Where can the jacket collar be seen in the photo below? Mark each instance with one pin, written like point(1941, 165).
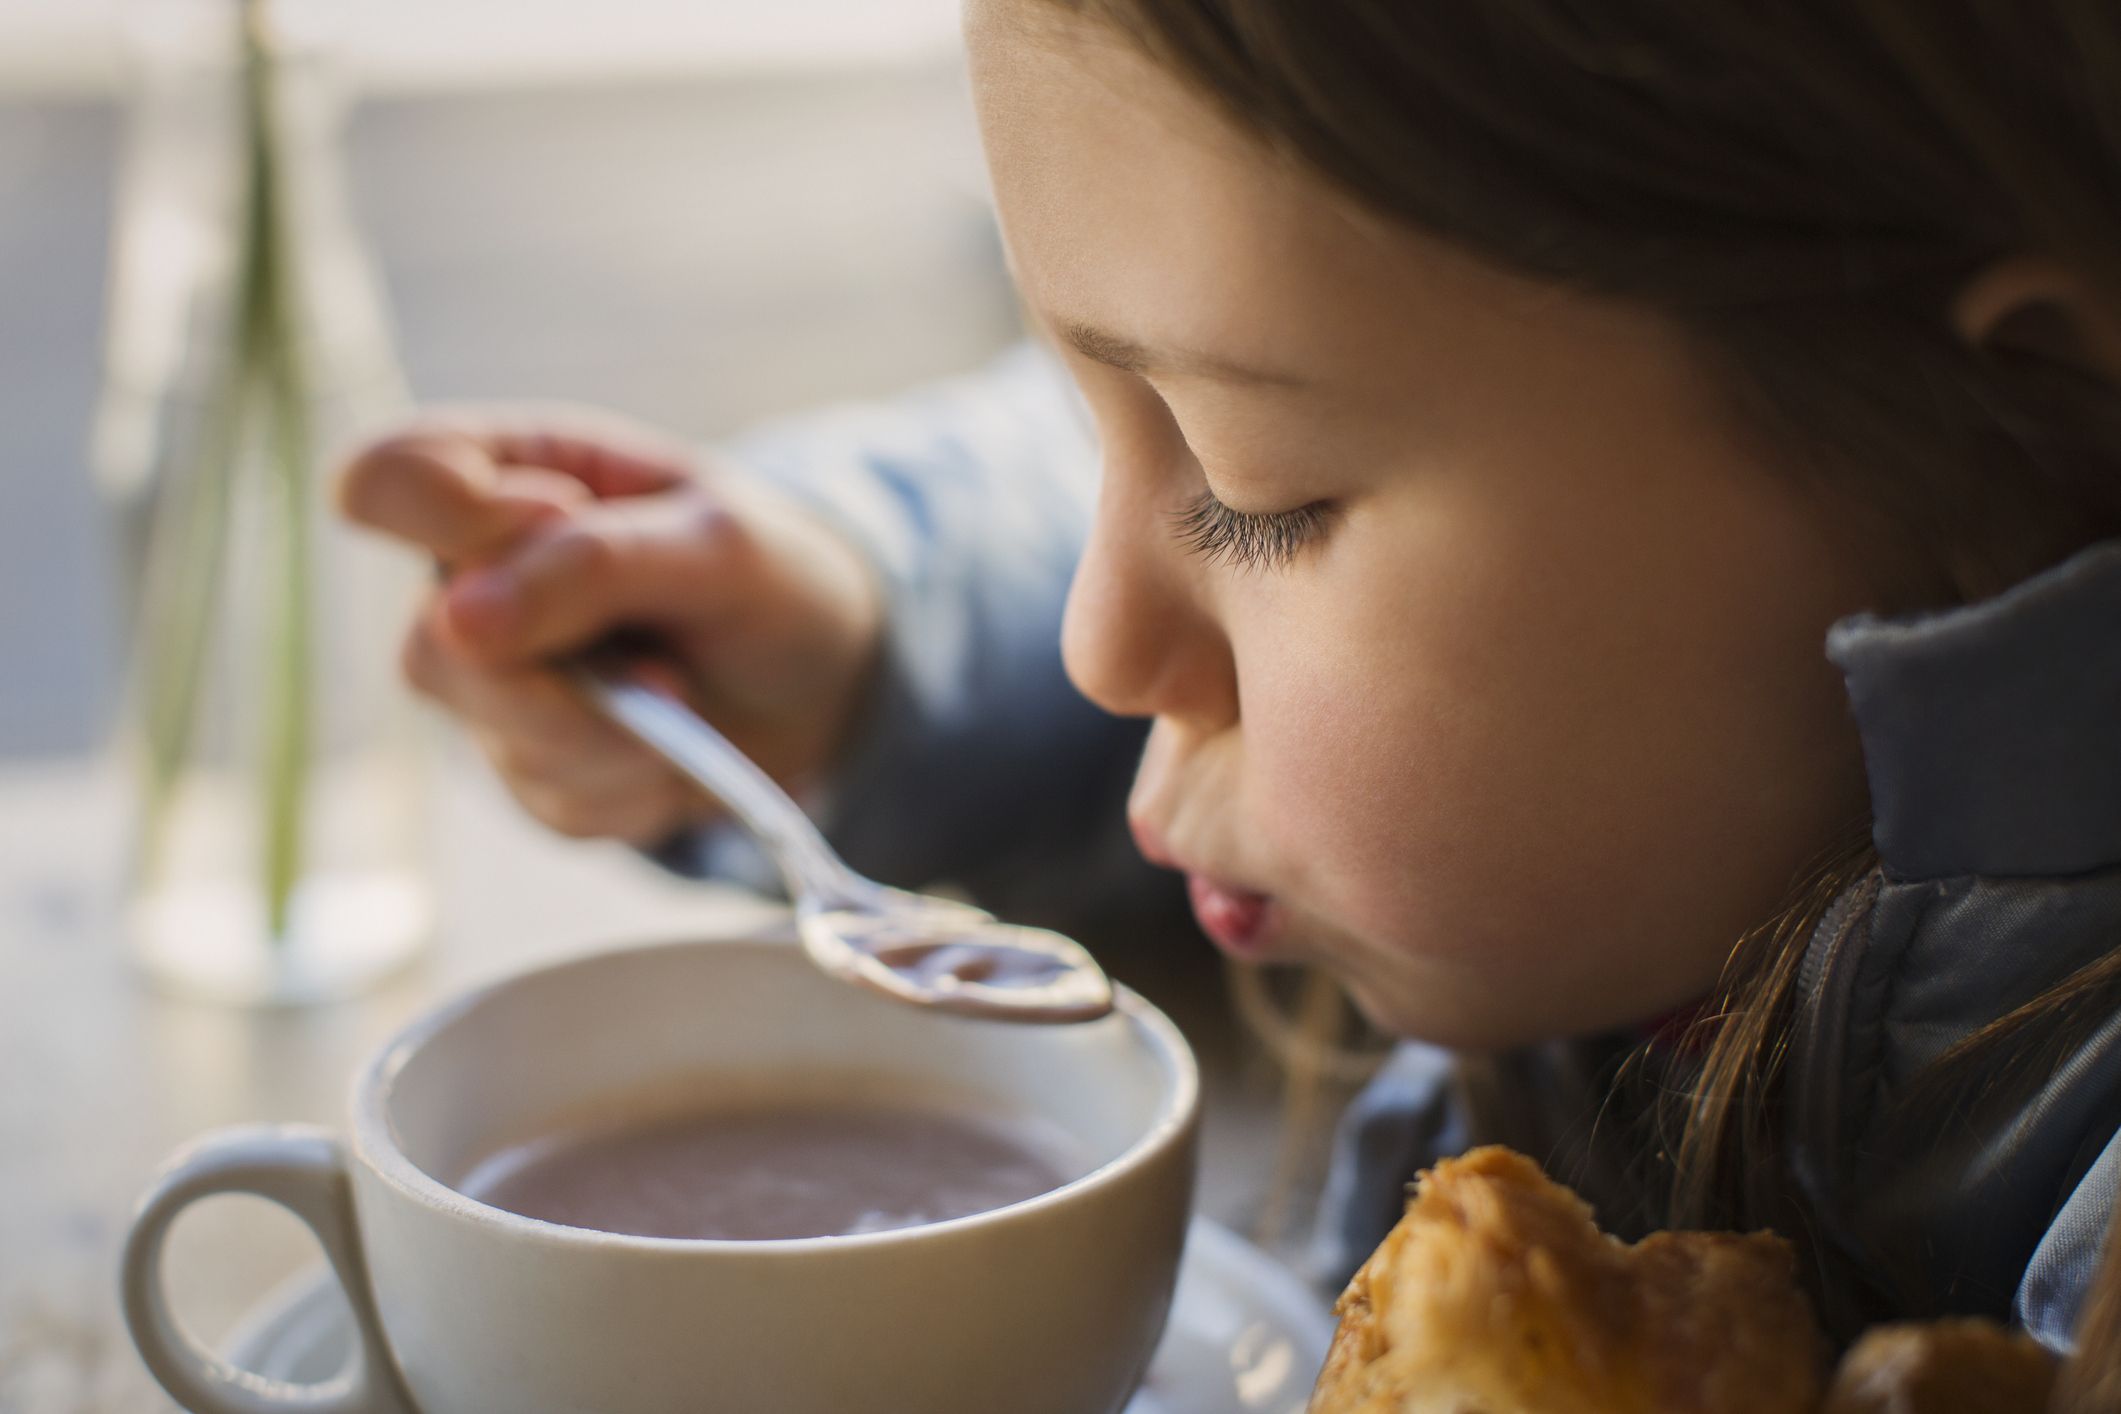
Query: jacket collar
point(1992, 732)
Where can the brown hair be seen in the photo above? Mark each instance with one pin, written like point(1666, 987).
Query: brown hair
point(1805, 187)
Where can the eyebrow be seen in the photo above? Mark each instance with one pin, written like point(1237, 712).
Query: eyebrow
point(1106, 347)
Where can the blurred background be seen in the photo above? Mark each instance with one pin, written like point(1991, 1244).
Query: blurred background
point(700, 212)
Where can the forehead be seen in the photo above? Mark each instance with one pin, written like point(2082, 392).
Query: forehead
point(1130, 203)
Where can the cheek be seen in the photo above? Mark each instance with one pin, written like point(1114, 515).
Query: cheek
point(1333, 743)
point(1356, 776)
point(1505, 754)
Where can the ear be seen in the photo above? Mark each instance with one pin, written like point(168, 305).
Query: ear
point(2036, 306)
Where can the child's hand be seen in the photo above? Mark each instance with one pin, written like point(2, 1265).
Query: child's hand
point(554, 531)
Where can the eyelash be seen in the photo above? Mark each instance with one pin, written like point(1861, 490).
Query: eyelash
point(1212, 530)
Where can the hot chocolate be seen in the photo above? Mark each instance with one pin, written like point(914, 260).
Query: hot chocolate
point(810, 1170)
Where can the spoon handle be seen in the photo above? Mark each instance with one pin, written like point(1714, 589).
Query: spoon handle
point(681, 737)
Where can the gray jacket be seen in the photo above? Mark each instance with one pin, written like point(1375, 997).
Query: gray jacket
point(1992, 737)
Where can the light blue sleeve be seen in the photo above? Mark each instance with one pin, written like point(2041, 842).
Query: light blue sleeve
point(1427, 1104)
point(976, 763)
point(2052, 1293)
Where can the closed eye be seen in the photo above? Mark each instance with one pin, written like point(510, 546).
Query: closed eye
point(1269, 540)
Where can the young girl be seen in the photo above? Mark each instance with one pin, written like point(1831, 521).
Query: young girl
point(1600, 513)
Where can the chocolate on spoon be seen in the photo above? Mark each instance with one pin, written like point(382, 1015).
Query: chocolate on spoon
point(919, 949)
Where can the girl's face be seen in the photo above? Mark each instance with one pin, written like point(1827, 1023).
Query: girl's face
point(1482, 644)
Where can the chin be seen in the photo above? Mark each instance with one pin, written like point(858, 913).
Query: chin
point(1392, 1016)
point(1400, 991)
point(1453, 1028)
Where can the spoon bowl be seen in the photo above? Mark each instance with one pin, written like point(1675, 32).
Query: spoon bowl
point(915, 948)
point(954, 960)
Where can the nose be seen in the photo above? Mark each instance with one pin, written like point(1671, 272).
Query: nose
point(1141, 637)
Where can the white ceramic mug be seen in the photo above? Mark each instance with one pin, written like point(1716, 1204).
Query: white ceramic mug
point(1048, 1306)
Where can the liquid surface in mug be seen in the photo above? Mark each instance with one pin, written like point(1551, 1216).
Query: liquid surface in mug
point(810, 1171)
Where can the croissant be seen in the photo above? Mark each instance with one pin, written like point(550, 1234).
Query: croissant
point(1497, 1294)
point(1943, 1367)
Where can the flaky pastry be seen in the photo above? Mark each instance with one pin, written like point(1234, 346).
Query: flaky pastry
point(1943, 1367)
point(1497, 1294)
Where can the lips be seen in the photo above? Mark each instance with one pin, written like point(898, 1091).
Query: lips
point(1236, 919)
point(1239, 920)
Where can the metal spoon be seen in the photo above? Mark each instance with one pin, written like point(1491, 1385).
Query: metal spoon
point(928, 951)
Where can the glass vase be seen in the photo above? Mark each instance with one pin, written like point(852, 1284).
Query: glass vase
point(279, 841)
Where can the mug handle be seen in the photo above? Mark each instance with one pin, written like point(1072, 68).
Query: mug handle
point(303, 1169)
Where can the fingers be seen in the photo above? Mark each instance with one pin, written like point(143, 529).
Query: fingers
point(609, 455)
point(569, 767)
point(641, 807)
point(554, 533)
point(463, 485)
point(568, 586)
point(641, 815)
point(525, 704)
point(610, 459)
point(447, 495)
